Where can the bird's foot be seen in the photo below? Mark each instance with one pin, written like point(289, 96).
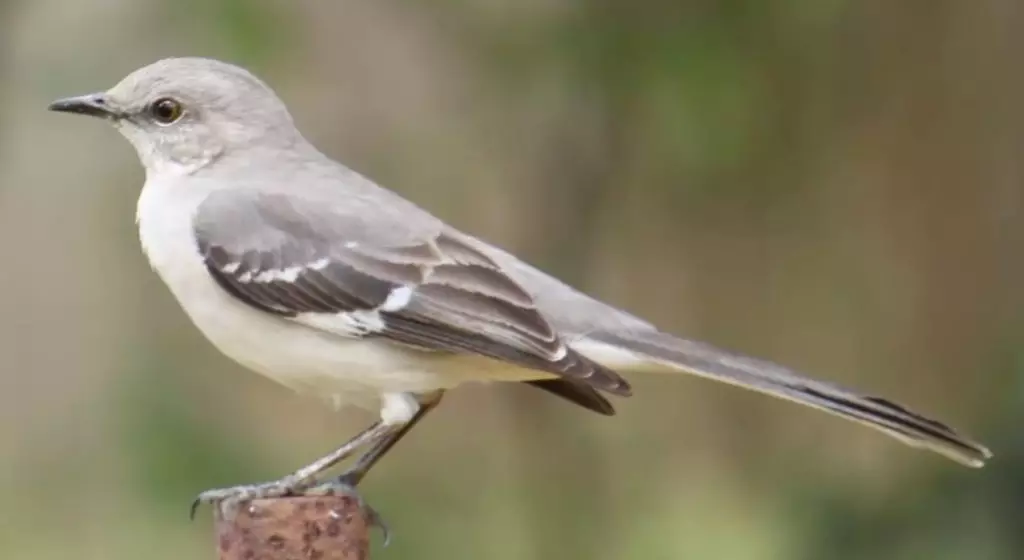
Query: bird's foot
point(340, 486)
point(231, 498)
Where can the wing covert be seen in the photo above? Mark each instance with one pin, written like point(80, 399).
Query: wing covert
point(435, 292)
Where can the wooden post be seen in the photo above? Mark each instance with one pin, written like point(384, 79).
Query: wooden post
point(329, 527)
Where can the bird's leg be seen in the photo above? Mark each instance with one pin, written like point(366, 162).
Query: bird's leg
point(346, 483)
point(229, 498)
point(298, 481)
point(354, 475)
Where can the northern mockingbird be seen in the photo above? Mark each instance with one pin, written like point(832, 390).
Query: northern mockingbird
point(309, 273)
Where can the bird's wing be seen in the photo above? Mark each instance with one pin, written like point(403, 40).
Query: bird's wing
point(409, 281)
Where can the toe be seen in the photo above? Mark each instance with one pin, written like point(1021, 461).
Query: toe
point(230, 498)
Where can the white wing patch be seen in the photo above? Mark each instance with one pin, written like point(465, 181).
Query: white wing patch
point(289, 274)
point(560, 353)
point(352, 324)
point(357, 324)
point(397, 299)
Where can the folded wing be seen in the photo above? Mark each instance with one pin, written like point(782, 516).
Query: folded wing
point(426, 288)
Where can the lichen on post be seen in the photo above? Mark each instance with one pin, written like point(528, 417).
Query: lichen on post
point(321, 527)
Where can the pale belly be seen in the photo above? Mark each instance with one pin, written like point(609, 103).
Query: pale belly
point(342, 370)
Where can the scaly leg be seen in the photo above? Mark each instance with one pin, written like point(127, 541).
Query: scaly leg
point(354, 475)
point(399, 409)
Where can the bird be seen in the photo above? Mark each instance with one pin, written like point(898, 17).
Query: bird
point(309, 273)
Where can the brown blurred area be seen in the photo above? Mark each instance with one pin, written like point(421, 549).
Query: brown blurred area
point(832, 184)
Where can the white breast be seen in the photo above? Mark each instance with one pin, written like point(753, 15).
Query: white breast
point(345, 369)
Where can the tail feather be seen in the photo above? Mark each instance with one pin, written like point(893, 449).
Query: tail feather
point(652, 348)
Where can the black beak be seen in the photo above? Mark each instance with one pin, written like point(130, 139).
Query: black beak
point(94, 105)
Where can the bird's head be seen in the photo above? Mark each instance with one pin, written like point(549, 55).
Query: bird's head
point(182, 114)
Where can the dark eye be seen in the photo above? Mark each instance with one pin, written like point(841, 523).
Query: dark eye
point(165, 110)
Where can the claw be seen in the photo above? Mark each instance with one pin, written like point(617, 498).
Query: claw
point(377, 521)
point(229, 498)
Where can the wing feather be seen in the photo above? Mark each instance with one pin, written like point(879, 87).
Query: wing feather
point(445, 295)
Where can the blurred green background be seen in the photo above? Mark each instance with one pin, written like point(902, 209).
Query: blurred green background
point(837, 185)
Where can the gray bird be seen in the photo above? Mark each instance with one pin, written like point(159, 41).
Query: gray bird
point(309, 273)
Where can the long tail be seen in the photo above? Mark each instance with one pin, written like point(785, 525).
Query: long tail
point(634, 350)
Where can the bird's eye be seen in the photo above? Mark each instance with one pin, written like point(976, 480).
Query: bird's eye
point(165, 110)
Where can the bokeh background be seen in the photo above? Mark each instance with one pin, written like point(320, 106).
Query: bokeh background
point(837, 185)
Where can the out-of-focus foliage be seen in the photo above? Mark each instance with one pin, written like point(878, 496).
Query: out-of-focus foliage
point(831, 184)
